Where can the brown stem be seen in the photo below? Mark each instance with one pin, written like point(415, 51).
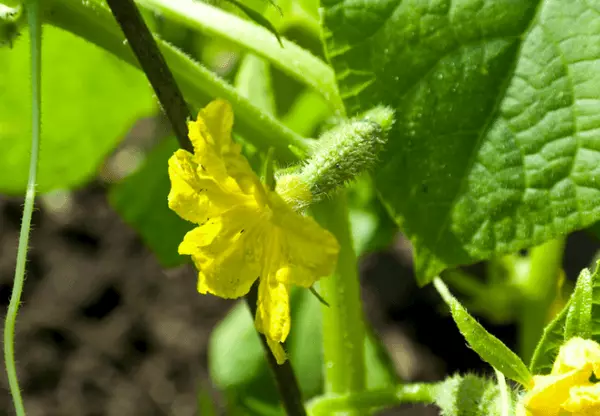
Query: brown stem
point(154, 66)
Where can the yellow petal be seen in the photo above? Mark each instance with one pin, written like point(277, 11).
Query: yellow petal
point(307, 251)
point(577, 353)
point(550, 392)
point(217, 121)
point(212, 128)
point(584, 400)
point(187, 196)
point(277, 350)
point(273, 309)
point(196, 197)
point(227, 251)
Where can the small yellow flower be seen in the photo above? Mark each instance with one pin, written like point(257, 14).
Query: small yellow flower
point(567, 390)
point(245, 231)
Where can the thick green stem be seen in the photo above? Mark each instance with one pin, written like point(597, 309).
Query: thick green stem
point(93, 21)
point(366, 401)
point(538, 288)
point(35, 30)
point(343, 325)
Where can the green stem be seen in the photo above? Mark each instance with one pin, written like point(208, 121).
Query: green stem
point(291, 58)
point(343, 325)
point(35, 30)
point(538, 288)
point(366, 401)
point(93, 21)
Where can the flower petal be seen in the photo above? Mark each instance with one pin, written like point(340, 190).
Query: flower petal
point(227, 251)
point(196, 197)
point(273, 309)
point(277, 350)
point(550, 392)
point(584, 400)
point(217, 118)
point(307, 251)
point(187, 197)
point(577, 353)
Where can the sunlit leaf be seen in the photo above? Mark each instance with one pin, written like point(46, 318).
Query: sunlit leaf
point(488, 347)
point(496, 141)
point(90, 100)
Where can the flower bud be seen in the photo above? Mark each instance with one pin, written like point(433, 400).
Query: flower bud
point(340, 155)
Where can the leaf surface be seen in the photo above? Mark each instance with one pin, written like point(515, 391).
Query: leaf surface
point(496, 143)
point(488, 347)
point(90, 100)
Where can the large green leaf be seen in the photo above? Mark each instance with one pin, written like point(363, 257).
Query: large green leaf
point(89, 101)
point(496, 143)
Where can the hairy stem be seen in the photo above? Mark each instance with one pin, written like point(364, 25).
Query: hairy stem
point(343, 325)
point(366, 401)
point(35, 30)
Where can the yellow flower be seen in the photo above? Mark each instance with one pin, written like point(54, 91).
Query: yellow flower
point(567, 390)
point(245, 231)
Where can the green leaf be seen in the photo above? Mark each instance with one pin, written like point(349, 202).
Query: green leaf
point(379, 366)
point(253, 81)
point(488, 347)
point(572, 319)
point(549, 344)
point(495, 146)
point(235, 354)
point(579, 314)
point(371, 227)
point(308, 111)
point(258, 18)
point(90, 100)
point(305, 343)
point(141, 200)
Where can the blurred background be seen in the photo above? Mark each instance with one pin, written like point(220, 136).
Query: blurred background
point(107, 327)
